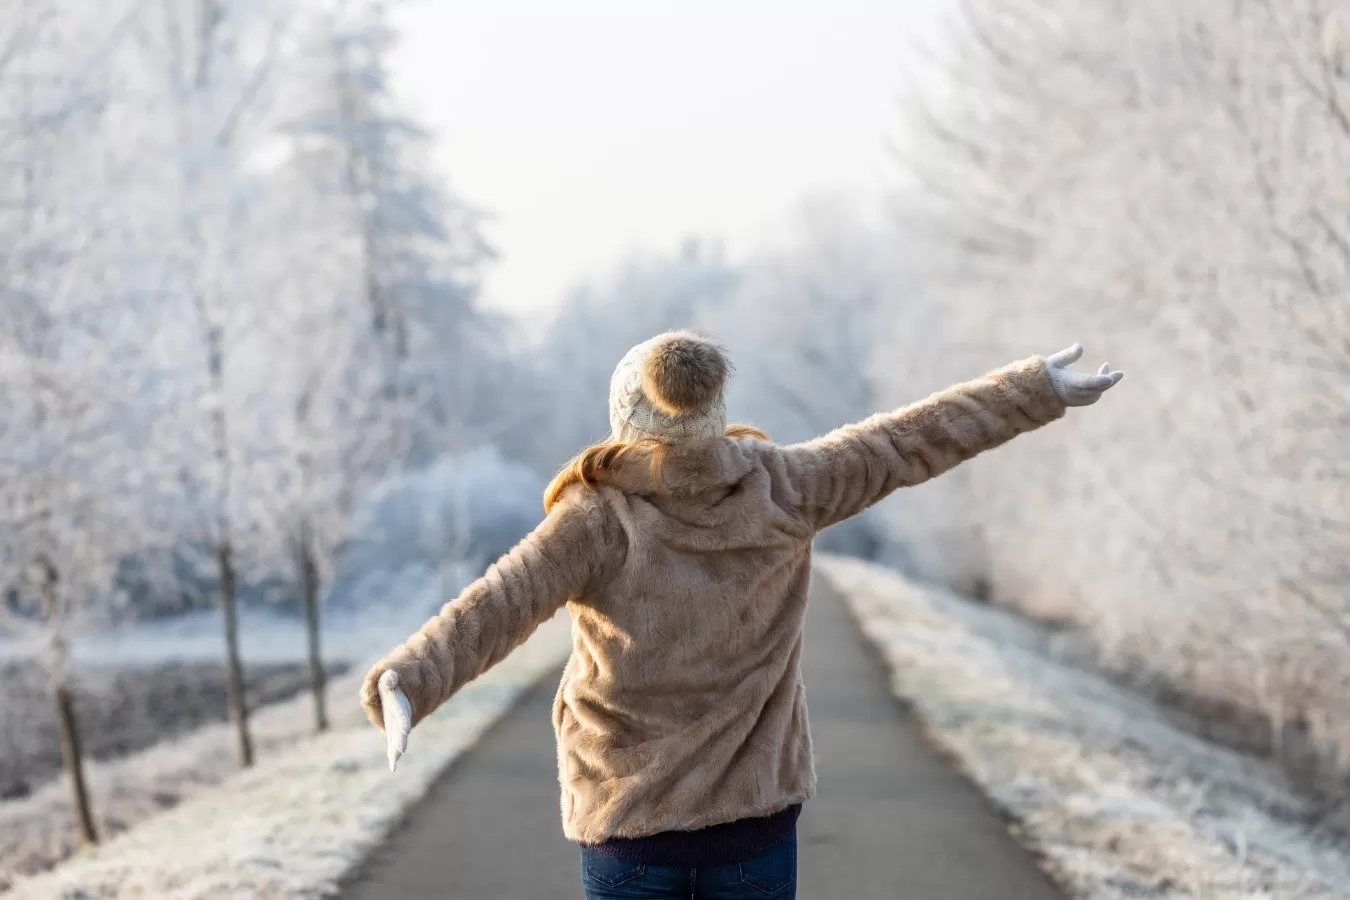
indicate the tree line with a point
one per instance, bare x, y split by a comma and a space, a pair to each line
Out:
1164, 182
234, 295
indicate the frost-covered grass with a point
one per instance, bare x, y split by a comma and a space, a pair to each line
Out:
1120, 802
154, 771
122, 710
304, 817
37, 830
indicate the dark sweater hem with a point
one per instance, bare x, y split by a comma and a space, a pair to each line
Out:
716, 845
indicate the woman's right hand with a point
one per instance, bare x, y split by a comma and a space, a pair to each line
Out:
389, 709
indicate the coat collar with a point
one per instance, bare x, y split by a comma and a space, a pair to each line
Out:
688, 469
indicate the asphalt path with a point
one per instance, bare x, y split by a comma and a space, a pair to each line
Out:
891, 820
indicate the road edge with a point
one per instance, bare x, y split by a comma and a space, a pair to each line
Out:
1115, 800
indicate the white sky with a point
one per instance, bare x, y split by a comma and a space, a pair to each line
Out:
592, 128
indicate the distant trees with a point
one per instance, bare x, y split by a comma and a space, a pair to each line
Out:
798, 315
417, 246
1164, 183
802, 327
592, 329
800, 321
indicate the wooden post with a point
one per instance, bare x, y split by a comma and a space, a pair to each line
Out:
234, 670
309, 585
73, 755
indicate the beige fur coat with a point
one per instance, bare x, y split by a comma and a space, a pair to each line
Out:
682, 704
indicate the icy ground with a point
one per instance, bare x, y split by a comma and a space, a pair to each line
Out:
307, 814
122, 710
153, 772
1120, 803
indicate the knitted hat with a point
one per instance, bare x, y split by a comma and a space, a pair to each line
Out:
670, 388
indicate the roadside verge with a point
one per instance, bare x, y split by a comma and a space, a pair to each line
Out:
298, 822
1118, 801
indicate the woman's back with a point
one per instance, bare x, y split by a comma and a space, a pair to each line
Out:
683, 551
682, 706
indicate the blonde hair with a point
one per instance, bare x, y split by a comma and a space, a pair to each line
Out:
586, 465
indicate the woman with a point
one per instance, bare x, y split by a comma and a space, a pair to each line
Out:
682, 549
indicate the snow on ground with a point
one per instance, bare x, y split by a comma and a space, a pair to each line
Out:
35, 831
306, 815
1119, 802
122, 710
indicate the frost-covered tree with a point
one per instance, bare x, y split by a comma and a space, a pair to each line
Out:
1184, 164
234, 296
418, 247
206, 82
73, 442
325, 374
371, 265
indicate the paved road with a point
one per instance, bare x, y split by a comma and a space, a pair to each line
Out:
890, 820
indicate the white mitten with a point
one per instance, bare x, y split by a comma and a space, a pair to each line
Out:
1078, 388
397, 716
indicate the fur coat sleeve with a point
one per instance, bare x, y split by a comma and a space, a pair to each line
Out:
844, 472
495, 614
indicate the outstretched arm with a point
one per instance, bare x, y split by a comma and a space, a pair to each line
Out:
492, 617
846, 471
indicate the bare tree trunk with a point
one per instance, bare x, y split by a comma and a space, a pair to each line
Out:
72, 754
309, 585
235, 703
234, 669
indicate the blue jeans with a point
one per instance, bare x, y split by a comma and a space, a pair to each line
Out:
772, 875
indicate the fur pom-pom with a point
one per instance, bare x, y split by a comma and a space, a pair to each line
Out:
684, 373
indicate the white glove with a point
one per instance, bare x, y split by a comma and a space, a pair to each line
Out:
1078, 388
397, 716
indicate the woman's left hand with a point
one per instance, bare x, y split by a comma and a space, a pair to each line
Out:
1079, 388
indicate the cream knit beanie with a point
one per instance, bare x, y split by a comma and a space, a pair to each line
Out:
670, 388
